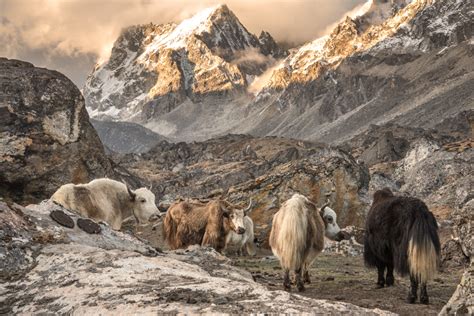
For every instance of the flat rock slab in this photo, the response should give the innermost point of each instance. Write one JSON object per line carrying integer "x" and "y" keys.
{"x": 71, "y": 271}
{"x": 88, "y": 280}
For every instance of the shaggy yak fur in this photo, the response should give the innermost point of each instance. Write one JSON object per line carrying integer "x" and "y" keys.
{"x": 402, "y": 234}
{"x": 109, "y": 201}
{"x": 198, "y": 223}
{"x": 297, "y": 236}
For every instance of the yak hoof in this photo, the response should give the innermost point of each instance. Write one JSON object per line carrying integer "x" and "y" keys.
{"x": 411, "y": 299}
{"x": 389, "y": 281}
{"x": 424, "y": 300}
{"x": 379, "y": 286}
{"x": 301, "y": 288}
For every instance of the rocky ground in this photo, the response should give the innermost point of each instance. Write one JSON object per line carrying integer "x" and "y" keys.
{"x": 344, "y": 278}
{"x": 47, "y": 268}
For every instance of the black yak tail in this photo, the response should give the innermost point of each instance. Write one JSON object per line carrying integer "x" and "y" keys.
{"x": 423, "y": 247}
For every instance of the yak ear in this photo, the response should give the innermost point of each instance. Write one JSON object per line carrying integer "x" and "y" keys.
{"x": 132, "y": 194}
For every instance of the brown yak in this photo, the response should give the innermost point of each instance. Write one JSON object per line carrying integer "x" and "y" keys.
{"x": 198, "y": 223}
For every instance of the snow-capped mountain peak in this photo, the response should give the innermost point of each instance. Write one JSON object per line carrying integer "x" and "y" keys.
{"x": 154, "y": 68}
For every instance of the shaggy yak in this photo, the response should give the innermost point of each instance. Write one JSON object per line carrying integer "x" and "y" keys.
{"x": 109, "y": 201}
{"x": 297, "y": 236}
{"x": 207, "y": 224}
{"x": 240, "y": 240}
{"x": 402, "y": 234}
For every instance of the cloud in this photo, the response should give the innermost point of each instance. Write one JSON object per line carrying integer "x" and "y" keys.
{"x": 78, "y": 28}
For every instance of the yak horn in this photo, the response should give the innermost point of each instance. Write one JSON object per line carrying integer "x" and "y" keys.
{"x": 132, "y": 195}
{"x": 324, "y": 206}
{"x": 151, "y": 186}
{"x": 130, "y": 192}
{"x": 249, "y": 207}
{"x": 224, "y": 194}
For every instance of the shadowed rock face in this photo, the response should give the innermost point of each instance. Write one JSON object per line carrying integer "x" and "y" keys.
{"x": 46, "y": 139}
{"x": 63, "y": 270}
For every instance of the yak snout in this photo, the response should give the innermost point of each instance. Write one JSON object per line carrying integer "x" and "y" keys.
{"x": 154, "y": 217}
{"x": 341, "y": 235}
{"x": 240, "y": 230}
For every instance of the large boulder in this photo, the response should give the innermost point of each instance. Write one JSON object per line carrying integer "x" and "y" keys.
{"x": 46, "y": 139}
{"x": 65, "y": 270}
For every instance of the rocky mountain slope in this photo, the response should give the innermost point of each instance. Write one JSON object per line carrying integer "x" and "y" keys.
{"x": 414, "y": 69}
{"x": 155, "y": 68}
{"x": 46, "y": 138}
{"x": 113, "y": 272}
{"x": 404, "y": 62}
{"x": 126, "y": 137}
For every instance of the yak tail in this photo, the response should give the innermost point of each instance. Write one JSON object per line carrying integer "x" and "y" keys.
{"x": 423, "y": 248}
{"x": 169, "y": 229}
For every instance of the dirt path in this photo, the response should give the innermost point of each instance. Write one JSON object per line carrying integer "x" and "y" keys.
{"x": 341, "y": 278}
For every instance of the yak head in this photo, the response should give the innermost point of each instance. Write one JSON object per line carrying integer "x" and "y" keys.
{"x": 234, "y": 217}
{"x": 332, "y": 230}
{"x": 143, "y": 205}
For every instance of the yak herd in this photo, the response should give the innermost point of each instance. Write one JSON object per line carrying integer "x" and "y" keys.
{"x": 401, "y": 234}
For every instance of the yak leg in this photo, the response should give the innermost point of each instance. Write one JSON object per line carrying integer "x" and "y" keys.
{"x": 424, "y": 294}
{"x": 306, "y": 278}
{"x": 381, "y": 271}
{"x": 299, "y": 281}
{"x": 412, "y": 295}
{"x": 286, "y": 280}
{"x": 389, "y": 280}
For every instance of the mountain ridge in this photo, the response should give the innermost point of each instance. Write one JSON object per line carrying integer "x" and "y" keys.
{"x": 327, "y": 90}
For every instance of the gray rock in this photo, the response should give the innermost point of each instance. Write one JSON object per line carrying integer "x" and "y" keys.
{"x": 46, "y": 139}
{"x": 74, "y": 272}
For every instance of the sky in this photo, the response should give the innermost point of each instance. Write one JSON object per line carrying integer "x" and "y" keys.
{"x": 72, "y": 35}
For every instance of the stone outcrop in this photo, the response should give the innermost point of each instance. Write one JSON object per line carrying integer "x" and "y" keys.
{"x": 62, "y": 270}
{"x": 46, "y": 139}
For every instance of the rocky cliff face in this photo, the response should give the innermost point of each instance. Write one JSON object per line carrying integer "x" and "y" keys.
{"x": 63, "y": 270}
{"x": 155, "y": 68}
{"x": 46, "y": 139}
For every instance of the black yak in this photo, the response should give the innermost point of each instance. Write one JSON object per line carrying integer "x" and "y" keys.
{"x": 402, "y": 234}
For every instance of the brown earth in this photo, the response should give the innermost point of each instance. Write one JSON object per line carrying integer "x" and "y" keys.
{"x": 342, "y": 278}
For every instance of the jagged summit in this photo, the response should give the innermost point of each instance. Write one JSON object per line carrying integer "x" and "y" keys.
{"x": 154, "y": 68}
{"x": 208, "y": 75}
